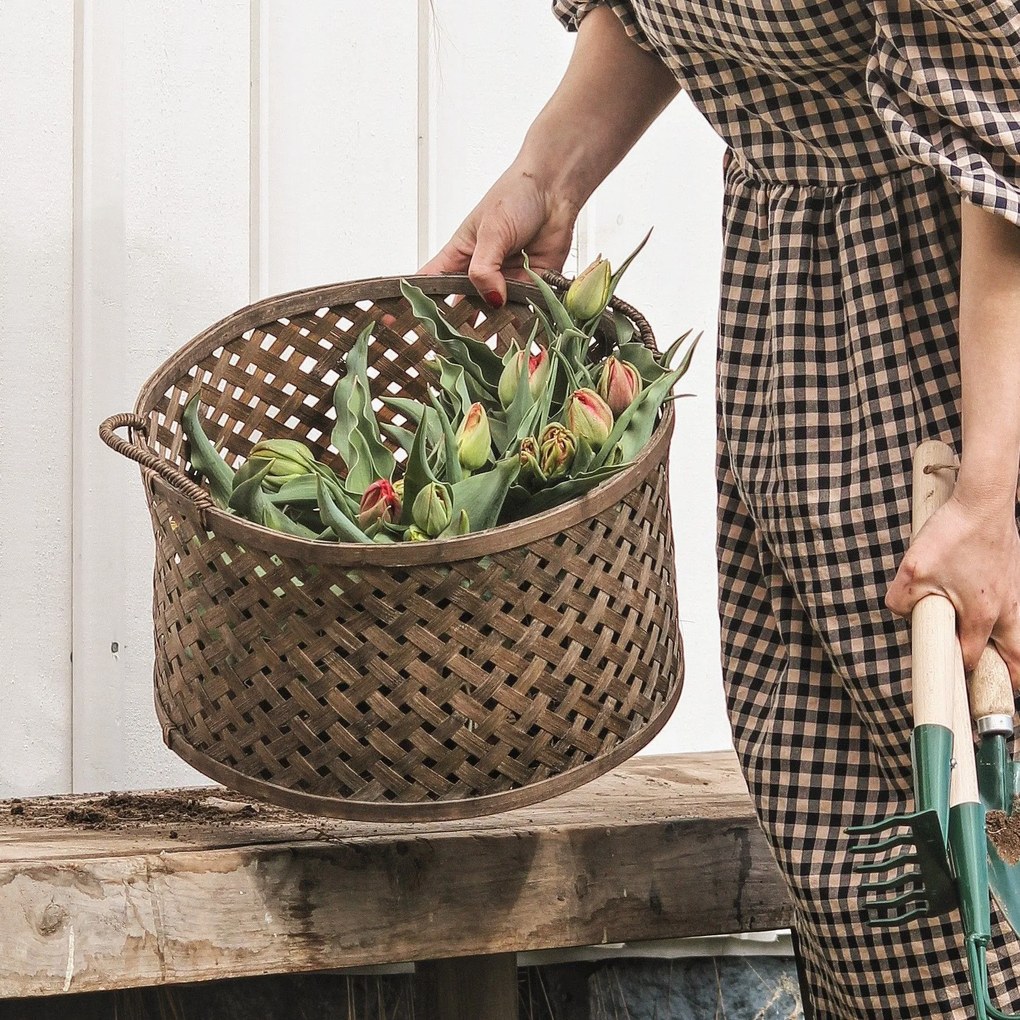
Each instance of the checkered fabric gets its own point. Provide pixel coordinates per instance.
(853, 128)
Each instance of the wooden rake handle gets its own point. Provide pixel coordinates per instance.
(939, 680)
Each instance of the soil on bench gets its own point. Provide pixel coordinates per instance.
(1004, 832)
(117, 811)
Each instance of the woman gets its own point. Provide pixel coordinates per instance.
(870, 300)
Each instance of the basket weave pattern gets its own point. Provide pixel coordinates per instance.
(393, 681)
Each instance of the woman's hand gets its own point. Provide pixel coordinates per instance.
(970, 553)
(519, 212)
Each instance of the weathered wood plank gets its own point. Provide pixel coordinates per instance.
(663, 847)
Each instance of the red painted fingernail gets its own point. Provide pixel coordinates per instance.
(494, 298)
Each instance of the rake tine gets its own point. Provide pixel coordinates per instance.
(898, 901)
(907, 839)
(889, 822)
(893, 883)
(862, 868)
(893, 922)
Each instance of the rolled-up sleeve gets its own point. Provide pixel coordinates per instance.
(571, 13)
(944, 78)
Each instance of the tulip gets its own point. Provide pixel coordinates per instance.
(531, 473)
(619, 384)
(589, 417)
(432, 510)
(474, 441)
(415, 535)
(588, 295)
(556, 451)
(539, 367)
(289, 458)
(380, 502)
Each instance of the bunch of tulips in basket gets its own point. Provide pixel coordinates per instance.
(499, 439)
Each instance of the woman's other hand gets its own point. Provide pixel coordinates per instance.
(970, 553)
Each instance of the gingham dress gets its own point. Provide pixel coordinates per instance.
(853, 128)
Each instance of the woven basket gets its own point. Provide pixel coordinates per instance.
(409, 682)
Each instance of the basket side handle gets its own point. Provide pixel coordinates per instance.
(148, 460)
(643, 326)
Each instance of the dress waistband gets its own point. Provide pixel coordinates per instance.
(835, 178)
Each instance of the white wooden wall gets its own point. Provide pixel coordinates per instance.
(164, 163)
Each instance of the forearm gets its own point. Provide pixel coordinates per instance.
(990, 359)
(611, 92)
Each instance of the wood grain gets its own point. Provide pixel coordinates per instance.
(663, 847)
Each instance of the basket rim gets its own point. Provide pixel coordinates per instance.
(502, 538)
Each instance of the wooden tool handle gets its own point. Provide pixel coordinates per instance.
(963, 787)
(933, 621)
(991, 693)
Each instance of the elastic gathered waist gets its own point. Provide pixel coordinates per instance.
(837, 179)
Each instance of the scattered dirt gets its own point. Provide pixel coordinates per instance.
(1004, 832)
(117, 811)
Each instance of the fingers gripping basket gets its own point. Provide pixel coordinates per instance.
(414, 681)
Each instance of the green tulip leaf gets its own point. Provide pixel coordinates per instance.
(403, 438)
(356, 432)
(482, 495)
(249, 501)
(476, 358)
(204, 456)
(518, 410)
(453, 384)
(417, 473)
(561, 318)
(335, 519)
(454, 471)
(570, 488)
(644, 360)
(625, 329)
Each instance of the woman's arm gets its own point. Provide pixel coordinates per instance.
(970, 550)
(611, 92)
(990, 361)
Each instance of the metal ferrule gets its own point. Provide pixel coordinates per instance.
(995, 724)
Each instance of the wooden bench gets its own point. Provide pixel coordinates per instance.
(190, 885)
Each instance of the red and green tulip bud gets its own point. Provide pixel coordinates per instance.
(474, 441)
(380, 502)
(432, 510)
(589, 417)
(619, 384)
(556, 451)
(288, 459)
(538, 374)
(588, 295)
(531, 474)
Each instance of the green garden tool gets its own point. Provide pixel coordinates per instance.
(978, 784)
(998, 778)
(918, 881)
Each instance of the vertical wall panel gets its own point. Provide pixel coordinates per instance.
(672, 181)
(36, 125)
(339, 141)
(162, 251)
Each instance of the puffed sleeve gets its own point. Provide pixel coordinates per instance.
(570, 12)
(944, 77)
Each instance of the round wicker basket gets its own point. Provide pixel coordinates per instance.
(407, 682)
